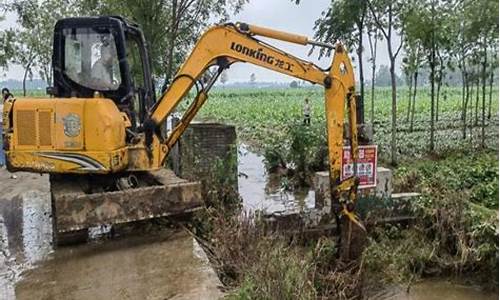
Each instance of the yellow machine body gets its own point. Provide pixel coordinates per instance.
(70, 135)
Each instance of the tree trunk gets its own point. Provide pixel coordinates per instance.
(373, 51)
(171, 46)
(392, 59)
(471, 102)
(26, 71)
(415, 81)
(476, 119)
(440, 81)
(409, 99)
(466, 83)
(24, 81)
(394, 111)
(483, 108)
(431, 147)
(432, 78)
(360, 59)
(462, 116)
(433, 75)
(438, 92)
(492, 75)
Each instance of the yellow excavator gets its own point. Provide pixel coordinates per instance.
(99, 134)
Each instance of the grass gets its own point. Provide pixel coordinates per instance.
(456, 230)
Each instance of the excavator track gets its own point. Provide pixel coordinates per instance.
(80, 202)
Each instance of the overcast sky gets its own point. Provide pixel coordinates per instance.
(277, 14)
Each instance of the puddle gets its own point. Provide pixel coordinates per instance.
(151, 265)
(264, 192)
(149, 262)
(437, 289)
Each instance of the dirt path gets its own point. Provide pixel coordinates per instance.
(143, 264)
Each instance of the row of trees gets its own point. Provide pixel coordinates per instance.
(437, 37)
(170, 27)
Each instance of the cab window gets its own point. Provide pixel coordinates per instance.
(90, 58)
(136, 66)
(135, 62)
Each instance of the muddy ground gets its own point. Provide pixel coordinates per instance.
(147, 262)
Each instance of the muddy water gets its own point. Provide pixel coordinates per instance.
(262, 191)
(148, 262)
(265, 192)
(155, 266)
(437, 289)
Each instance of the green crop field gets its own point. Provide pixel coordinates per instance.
(265, 115)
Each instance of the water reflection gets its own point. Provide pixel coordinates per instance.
(265, 192)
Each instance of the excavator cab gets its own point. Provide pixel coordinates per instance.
(105, 56)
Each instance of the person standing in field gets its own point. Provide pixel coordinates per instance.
(307, 112)
(5, 95)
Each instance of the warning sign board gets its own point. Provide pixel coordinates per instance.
(367, 165)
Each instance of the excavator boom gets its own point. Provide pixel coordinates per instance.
(227, 44)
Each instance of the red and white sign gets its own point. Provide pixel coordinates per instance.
(367, 165)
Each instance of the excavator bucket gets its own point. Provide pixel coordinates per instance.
(81, 202)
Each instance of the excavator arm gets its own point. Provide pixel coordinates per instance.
(224, 45)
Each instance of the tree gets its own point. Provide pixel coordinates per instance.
(493, 68)
(373, 37)
(414, 55)
(171, 27)
(253, 78)
(294, 84)
(7, 50)
(344, 21)
(386, 15)
(485, 21)
(476, 23)
(223, 77)
(33, 40)
(428, 23)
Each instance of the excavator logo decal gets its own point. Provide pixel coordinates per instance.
(72, 125)
(258, 54)
(86, 163)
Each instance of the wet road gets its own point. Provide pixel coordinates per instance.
(150, 262)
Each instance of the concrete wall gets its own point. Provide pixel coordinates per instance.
(201, 147)
(322, 187)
